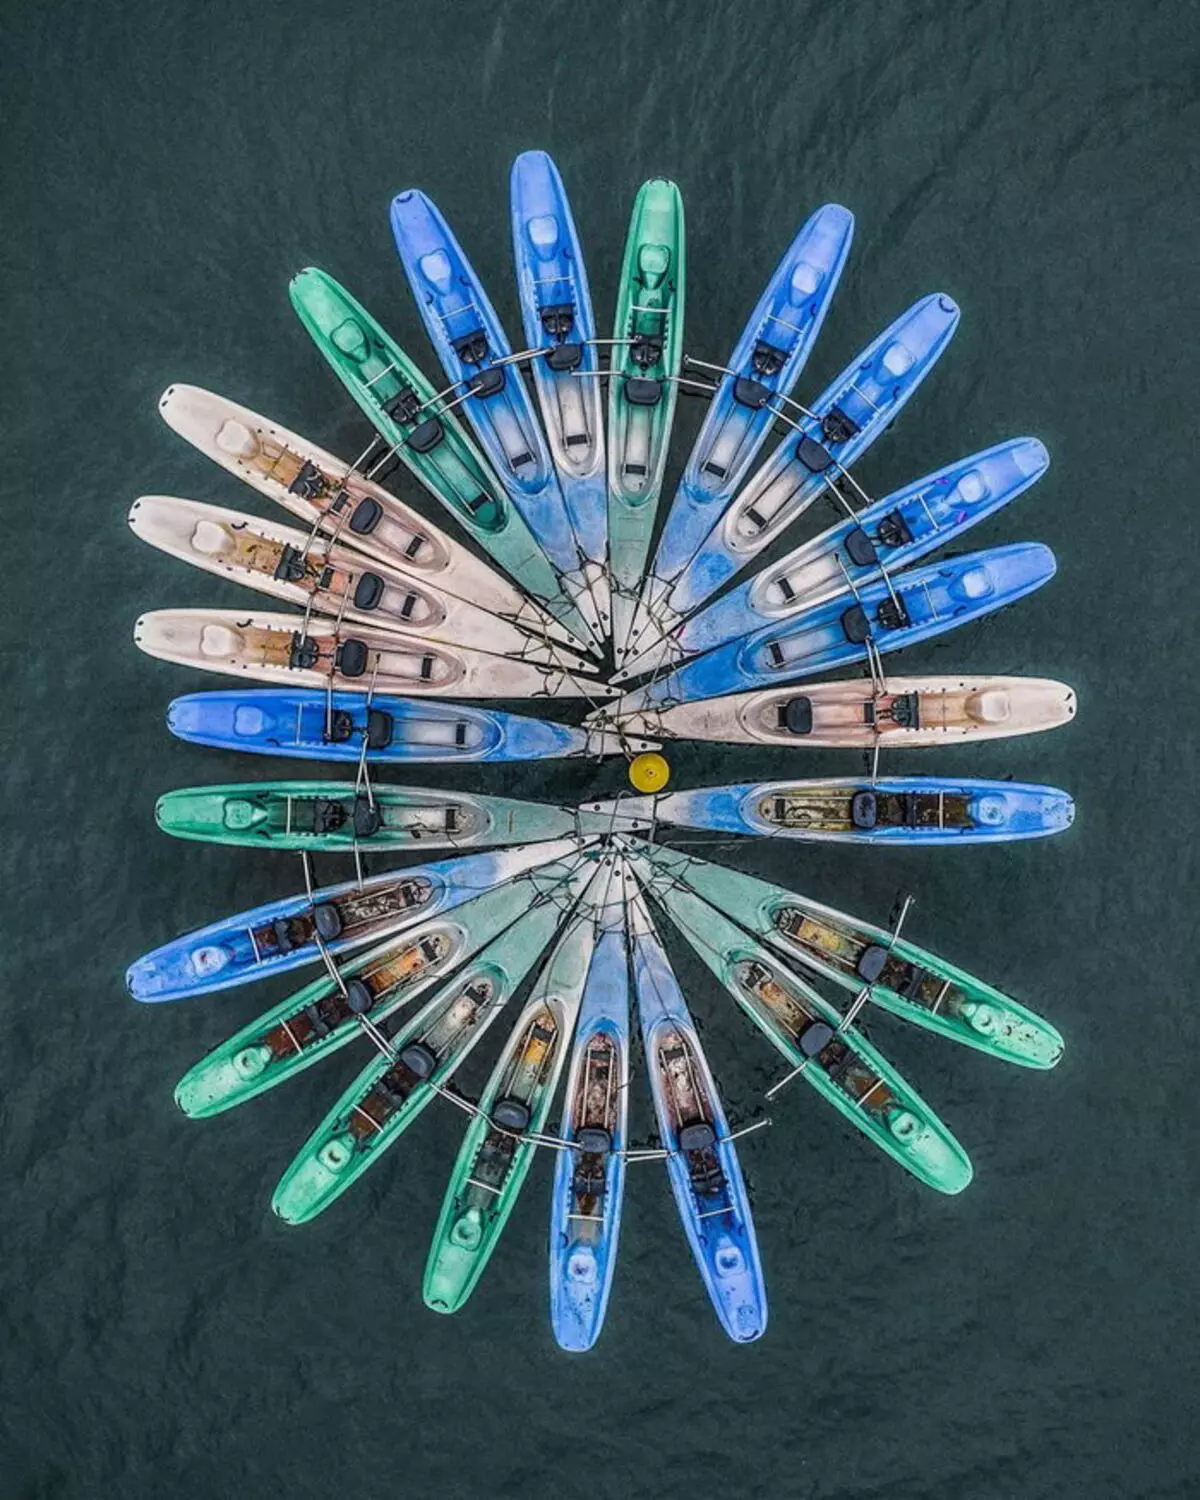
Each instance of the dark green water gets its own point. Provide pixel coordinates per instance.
(167, 168)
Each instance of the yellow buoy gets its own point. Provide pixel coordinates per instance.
(649, 772)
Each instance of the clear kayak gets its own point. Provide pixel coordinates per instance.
(330, 579)
(890, 534)
(367, 991)
(497, 1150)
(478, 361)
(702, 1163)
(902, 713)
(766, 362)
(422, 1057)
(419, 427)
(883, 616)
(344, 505)
(378, 730)
(909, 981)
(647, 352)
(857, 810)
(589, 1179)
(846, 419)
(834, 1059)
(346, 816)
(295, 930)
(289, 650)
(556, 309)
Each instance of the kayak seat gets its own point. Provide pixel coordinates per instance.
(699, 1136)
(645, 350)
(309, 484)
(352, 658)
(855, 625)
(485, 383)
(380, 727)
(893, 530)
(368, 591)
(328, 816)
(814, 456)
(905, 710)
(751, 393)
(359, 997)
(291, 567)
(511, 1114)
(864, 810)
(328, 921)
(365, 517)
(642, 392)
(892, 614)
(471, 348)
(419, 1059)
(341, 726)
(368, 820)
(860, 548)
(565, 357)
(426, 435)
(796, 715)
(594, 1140)
(305, 652)
(767, 359)
(815, 1037)
(404, 407)
(837, 427)
(871, 962)
(558, 318)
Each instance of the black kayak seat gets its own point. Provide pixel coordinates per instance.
(558, 318)
(305, 652)
(359, 997)
(511, 1114)
(595, 1140)
(309, 483)
(767, 359)
(871, 962)
(291, 567)
(645, 350)
(368, 591)
(471, 348)
(366, 517)
(699, 1136)
(341, 726)
(352, 658)
(855, 625)
(639, 391)
(368, 820)
(860, 548)
(906, 710)
(815, 1037)
(426, 435)
(893, 530)
(837, 426)
(815, 457)
(565, 357)
(328, 921)
(485, 383)
(328, 815)
(380, 726)
(796, 715)
(404, 407)
(864, 810)
(418, 1059)
(892, 614)
(751, 393)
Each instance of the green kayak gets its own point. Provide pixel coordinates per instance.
(646, 357)
(323, 1016)
(408, 414)
(392, 1090)
(497, 1151)
(340, 816)
(907, 980)
(840, 1064)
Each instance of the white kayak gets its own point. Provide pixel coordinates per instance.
(288, 650)
(330, 578)
(910, 713)
(318, 487)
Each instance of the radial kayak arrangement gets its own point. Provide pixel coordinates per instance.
(575, 573)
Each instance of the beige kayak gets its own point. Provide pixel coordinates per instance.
(285, 649)
(317, 486)
(912, 712)
(330, 578)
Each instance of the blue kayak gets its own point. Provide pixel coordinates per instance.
(270, 721)
(766, 362)
(556, 308)
(284, 934)
(928, 601)
(857, 810)
(847, 418)
(464, 329)
(892, 533)
(702, 1164)
(589, 1182)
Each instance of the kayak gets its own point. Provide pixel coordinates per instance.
(295, 930)
(329, 578)
(892, 533)
(323, 491)
(341, 816)
(766, 362)
(424, 433)
(646, 355)
(909, 981)
(422, 1057)
(589, 1181)
(312, 725)
(909, 713)
(834, 1059)
(478, 360)
(702, 1163)
(857, 810)
(887, 615)
(556, 309)
(326, 1014)
(497, 1150)
(285, 649)
(846, 419)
